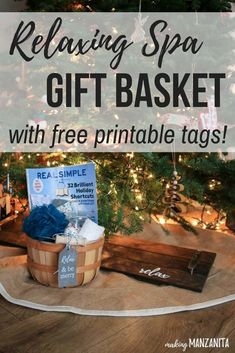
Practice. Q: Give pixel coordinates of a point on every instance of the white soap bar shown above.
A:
(71, 241)
(91, 231)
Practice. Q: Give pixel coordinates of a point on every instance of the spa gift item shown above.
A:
(65, 239)
(44, 259)
(158, 263)
(89, 233)
(73, 261)
(44, 222)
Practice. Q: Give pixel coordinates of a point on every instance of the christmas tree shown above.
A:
(131, 186)
(129, 6)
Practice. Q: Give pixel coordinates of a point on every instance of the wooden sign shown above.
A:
(158, 263)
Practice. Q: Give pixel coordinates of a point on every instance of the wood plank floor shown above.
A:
(25, 330)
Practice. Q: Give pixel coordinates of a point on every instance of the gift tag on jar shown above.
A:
(67, 266)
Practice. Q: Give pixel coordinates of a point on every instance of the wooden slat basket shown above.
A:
(43, 261)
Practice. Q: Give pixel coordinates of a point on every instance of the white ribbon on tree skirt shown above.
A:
(115, 294)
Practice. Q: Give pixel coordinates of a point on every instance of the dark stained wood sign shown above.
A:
(158, 263)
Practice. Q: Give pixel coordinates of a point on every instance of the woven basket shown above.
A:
(43, 261)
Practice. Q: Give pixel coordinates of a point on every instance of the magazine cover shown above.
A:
(71, 189)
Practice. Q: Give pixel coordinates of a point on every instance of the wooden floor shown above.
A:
(30, 331)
